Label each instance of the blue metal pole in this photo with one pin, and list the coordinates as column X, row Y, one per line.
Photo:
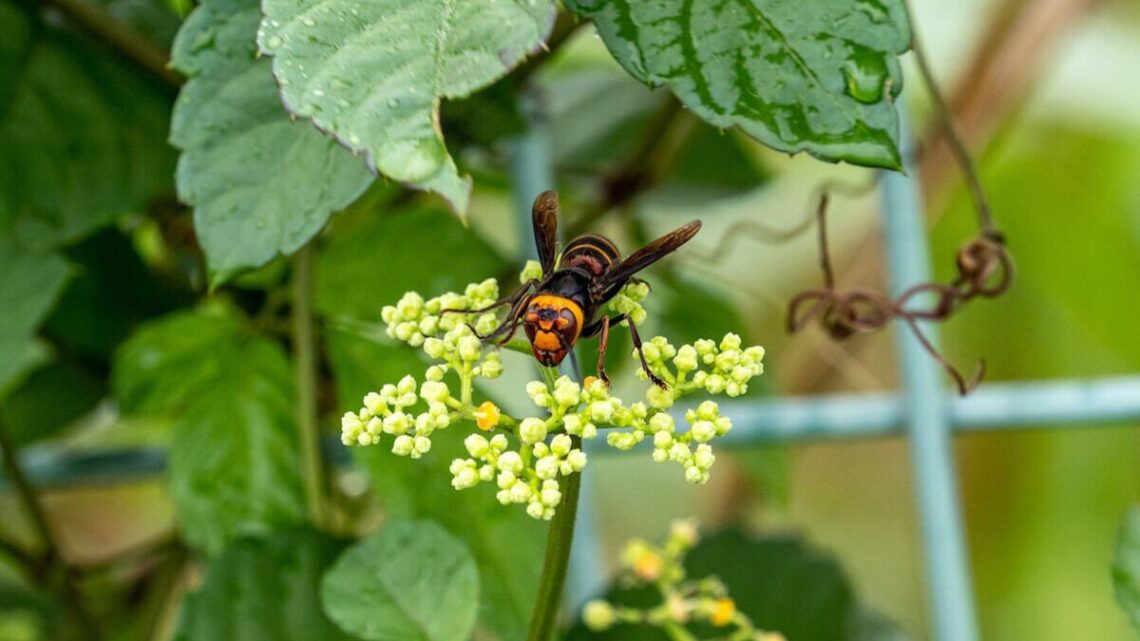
column 925, row 410
column 531, row 174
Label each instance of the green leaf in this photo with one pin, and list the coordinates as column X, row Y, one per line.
column 30, row 281
column 83, row 134
column 259, row 184
column 798, row 75
column 507, row 545
column 263, row 590
column 1126, row 566
column 233, row 462
column 412, row 581
column 372, row 74
column 371, row 260
column 50, row 399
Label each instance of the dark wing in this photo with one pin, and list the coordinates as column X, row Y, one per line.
column 648, row 255
column 546, row 229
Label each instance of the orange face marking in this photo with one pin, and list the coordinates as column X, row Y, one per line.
column 547, row 341
column 557, row 303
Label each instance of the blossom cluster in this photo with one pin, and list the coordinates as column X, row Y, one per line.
column 527, row 456
column 683, row 601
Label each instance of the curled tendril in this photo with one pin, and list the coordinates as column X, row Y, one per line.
column 985, row 269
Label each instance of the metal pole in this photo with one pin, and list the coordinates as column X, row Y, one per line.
column 925, row 410
column 532, row 174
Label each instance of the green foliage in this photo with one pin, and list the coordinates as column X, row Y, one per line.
column 412, row 581
column 65, row 99
column 506, row 544
column 31, row 281
column 264, row 590
column 1126, row 566
column 49, row 399
column 782, row 583
column 373, row 73
column 260, row 183
column 816, row 75
column 233, row 462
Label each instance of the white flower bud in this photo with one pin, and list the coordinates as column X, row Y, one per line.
column 695, row 475
column 425, row 425
column 567, row 393
column 577, row 460
column 469, row 348
column 396, row 423
column 601, row 411
column 510, row 462
column 703, row 431
column 589, row 431
column 492, row 369
column 704, row 458
column 531, row 271
column 551, row 497
column 560, row 445
column 506, row 479
column 476, row 445
column 405, row 331
column 434, row 374
column 714, row 384
column 572, row 424
column 434, row 347
column 535, row 510
column 365, row 439
column 406, row 385
column 708, row 411
column 650, row 351
column 730, row 342
column 435, row 392
column 350, row 422
column 532, row 430
column 520, row 492
column 373, row 402
column 660, row 456
column 375, row 426
column 546, row 467
column 403, row 446
column 410, row 305
column 659, row 398
column 686, row 359
column 662, row 440
column 662, row 422
column 725, row 361
column 422, row 444
column 499, row 442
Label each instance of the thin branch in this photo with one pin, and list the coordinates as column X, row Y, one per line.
column 120, row 37
column 52, row 558
column 304, row 349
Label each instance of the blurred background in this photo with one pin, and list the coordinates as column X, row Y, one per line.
column 1046, row 93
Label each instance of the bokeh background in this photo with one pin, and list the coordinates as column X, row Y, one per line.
column 1047, row 94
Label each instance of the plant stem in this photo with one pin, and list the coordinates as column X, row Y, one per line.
column 52, row 558
column 305, row 351
column 558, row 543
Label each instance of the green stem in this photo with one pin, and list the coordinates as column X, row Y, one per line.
column 558, row 543
column 52, row 557
column 304, row 349
column 677, row 632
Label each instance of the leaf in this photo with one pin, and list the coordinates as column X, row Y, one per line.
column 111, row 293
column 507, row 545
column 233, row 462
column 83, row 134
column 372, row 74
column 259, row 184
column 49, row 400
column 30, row 281
column 1126, row 566
column 263, row 590
column 798, row 75
column 371, row 260
column 411, row 581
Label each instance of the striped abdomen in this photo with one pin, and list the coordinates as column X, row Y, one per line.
column 591, row 252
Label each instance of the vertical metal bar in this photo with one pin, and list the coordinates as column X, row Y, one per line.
column 925, row 410
column 531, row 174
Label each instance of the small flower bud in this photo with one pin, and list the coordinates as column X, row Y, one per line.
column 601, row 411
column 434, row 392
column 422, row 444
column 662, row 440
column 532, row 430
column 722, row 612
column 510, row 461
column 492, row 369
column 598, row 615
column 546, row 467
column 476, row 445
column 469, row 348
column 659, row 398
column 373, row 402
column 434, row 374
column 560, row 445
column 730, row 342
column 531, row 271
column 567, row 393
column 714, row 384
column 403, row 445
column 662, row 422
column 577, row 460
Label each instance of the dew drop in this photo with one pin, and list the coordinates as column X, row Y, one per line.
column 865, row 75
column 273, row 42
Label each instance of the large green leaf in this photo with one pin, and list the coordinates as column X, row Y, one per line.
column 798, row 75
column 371, row 260
column 30, row 282
column 233, row 462
column 260, row 184
column 50, row 399
column 372, row 74
column 83, row 135
column 412, row 581
column 507, row 544
column 263, row 590
column 1126, row 566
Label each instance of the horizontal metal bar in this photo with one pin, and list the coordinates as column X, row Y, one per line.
column 993, row 406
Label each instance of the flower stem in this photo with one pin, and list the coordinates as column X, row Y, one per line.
column 558, row 543
column 305, row 352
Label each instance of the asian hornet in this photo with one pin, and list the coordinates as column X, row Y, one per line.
column 564, row 305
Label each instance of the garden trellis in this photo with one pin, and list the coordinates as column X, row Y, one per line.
column 923, row 411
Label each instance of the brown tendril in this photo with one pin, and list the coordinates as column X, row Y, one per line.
column 985, row 269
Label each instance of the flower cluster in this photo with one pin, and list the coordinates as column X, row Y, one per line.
column 683, row 601
column 529, row 455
